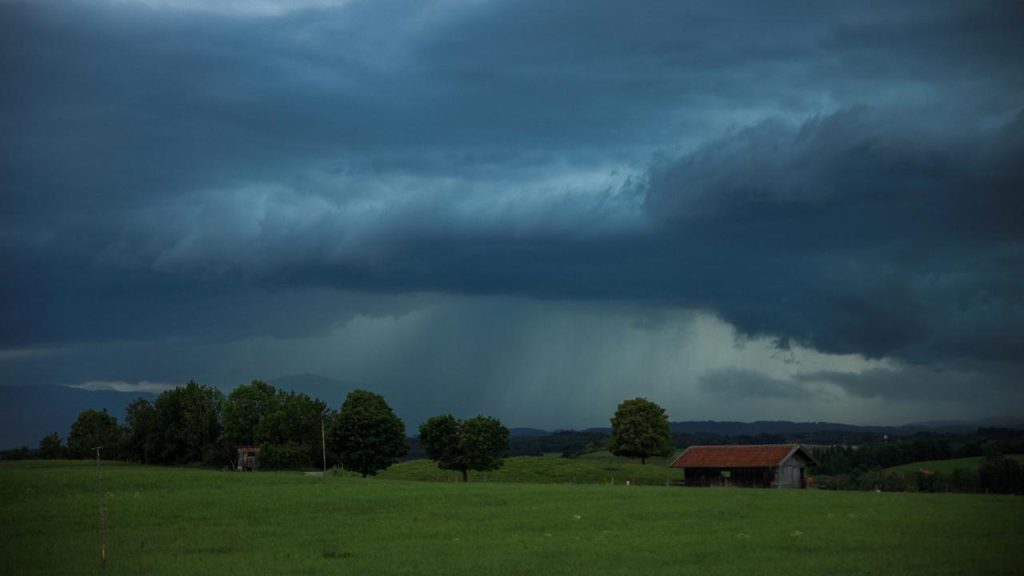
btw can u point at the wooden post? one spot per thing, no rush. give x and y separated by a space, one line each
103 514
323 445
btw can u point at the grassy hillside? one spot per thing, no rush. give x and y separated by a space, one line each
946 466
596 468
187 521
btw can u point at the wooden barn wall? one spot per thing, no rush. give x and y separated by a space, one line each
741 477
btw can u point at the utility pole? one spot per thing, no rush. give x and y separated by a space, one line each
103 513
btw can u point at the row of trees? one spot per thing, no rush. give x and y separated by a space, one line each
199 424
997 474
464 445
866 457
846 459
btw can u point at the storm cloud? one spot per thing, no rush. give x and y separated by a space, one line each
182 181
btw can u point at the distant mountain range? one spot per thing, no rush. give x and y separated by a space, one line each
27 413
784 427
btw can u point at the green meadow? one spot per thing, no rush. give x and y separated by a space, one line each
197 522
947 466
595 468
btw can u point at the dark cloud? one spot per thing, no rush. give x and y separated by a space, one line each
855 232
993 390
844 178
738 383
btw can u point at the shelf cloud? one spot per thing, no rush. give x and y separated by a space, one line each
184 183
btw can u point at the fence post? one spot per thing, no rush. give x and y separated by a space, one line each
103 513
323 446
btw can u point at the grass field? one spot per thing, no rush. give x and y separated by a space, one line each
946 466
189 521
596 468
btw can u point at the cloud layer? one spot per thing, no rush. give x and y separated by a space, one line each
825 178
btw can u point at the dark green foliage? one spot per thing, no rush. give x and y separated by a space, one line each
92 429
288 456
640 430
51 447
484 440
845 459
367 434
1001 475
963 480
994 474
296 421
440 439
846 465
140 431
478 443
259 414
188 424
244 409
19 453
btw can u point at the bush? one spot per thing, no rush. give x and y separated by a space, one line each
963 480
21 453
1001 475
51 447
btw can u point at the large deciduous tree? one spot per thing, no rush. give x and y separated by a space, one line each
140 431
94 429
244 408
367 434
51 447
439 437
640 430
188 423
293 427
286 425
477 443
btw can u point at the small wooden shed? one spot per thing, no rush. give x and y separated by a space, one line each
752 466
248 458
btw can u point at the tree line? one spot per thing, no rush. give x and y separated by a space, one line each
199 424
864 467
846 459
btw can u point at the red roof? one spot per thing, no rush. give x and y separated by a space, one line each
737 456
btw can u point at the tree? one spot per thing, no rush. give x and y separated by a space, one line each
245 408
439 437
92 429
51 447
640 430
292 431
474 444
1000 474
188 423
284 424
367 434
139 431
295 418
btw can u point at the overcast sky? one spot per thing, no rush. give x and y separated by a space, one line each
529 209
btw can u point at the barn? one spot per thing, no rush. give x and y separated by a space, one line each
757 466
